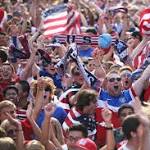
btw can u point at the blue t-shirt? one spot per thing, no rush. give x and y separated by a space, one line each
59 114
86 53
114 102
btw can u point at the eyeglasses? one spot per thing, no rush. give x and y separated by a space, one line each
114 79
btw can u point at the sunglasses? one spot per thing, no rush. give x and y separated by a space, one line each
114 79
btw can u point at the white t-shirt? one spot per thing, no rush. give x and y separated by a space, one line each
64 147
124 147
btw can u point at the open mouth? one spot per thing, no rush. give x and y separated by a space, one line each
52 69
116 87
126 82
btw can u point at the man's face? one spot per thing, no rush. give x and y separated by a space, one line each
126 79
133 42
11 95
114 85
125 112
78 79
7 72
51 68
73 137
5 110
90 109
3 40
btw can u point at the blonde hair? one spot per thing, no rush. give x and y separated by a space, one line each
34 145
49 82
5 124
7 143
6 103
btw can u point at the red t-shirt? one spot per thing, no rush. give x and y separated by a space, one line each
27 129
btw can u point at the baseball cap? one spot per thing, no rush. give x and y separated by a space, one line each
86 144
137 34
105 41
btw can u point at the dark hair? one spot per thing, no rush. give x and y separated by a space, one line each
75 71
3 55
130 124
85 97
80 128
124 106
137 34
25 86
8 88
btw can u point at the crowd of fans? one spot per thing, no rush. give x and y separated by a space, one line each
42 108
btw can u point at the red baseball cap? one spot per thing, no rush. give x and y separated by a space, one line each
86 144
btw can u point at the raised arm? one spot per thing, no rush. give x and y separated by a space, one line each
138 85
39 98
35 127
19 133
48 109
110 139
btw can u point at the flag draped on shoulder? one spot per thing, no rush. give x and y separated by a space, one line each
141 52
60 19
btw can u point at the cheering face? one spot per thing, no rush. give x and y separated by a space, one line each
126 79
7 72
12 95
114 85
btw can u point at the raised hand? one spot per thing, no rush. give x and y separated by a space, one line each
14 121
106 115
49 109
98 55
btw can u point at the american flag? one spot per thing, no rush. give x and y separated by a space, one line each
141 55
60 19
142 50
74 117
